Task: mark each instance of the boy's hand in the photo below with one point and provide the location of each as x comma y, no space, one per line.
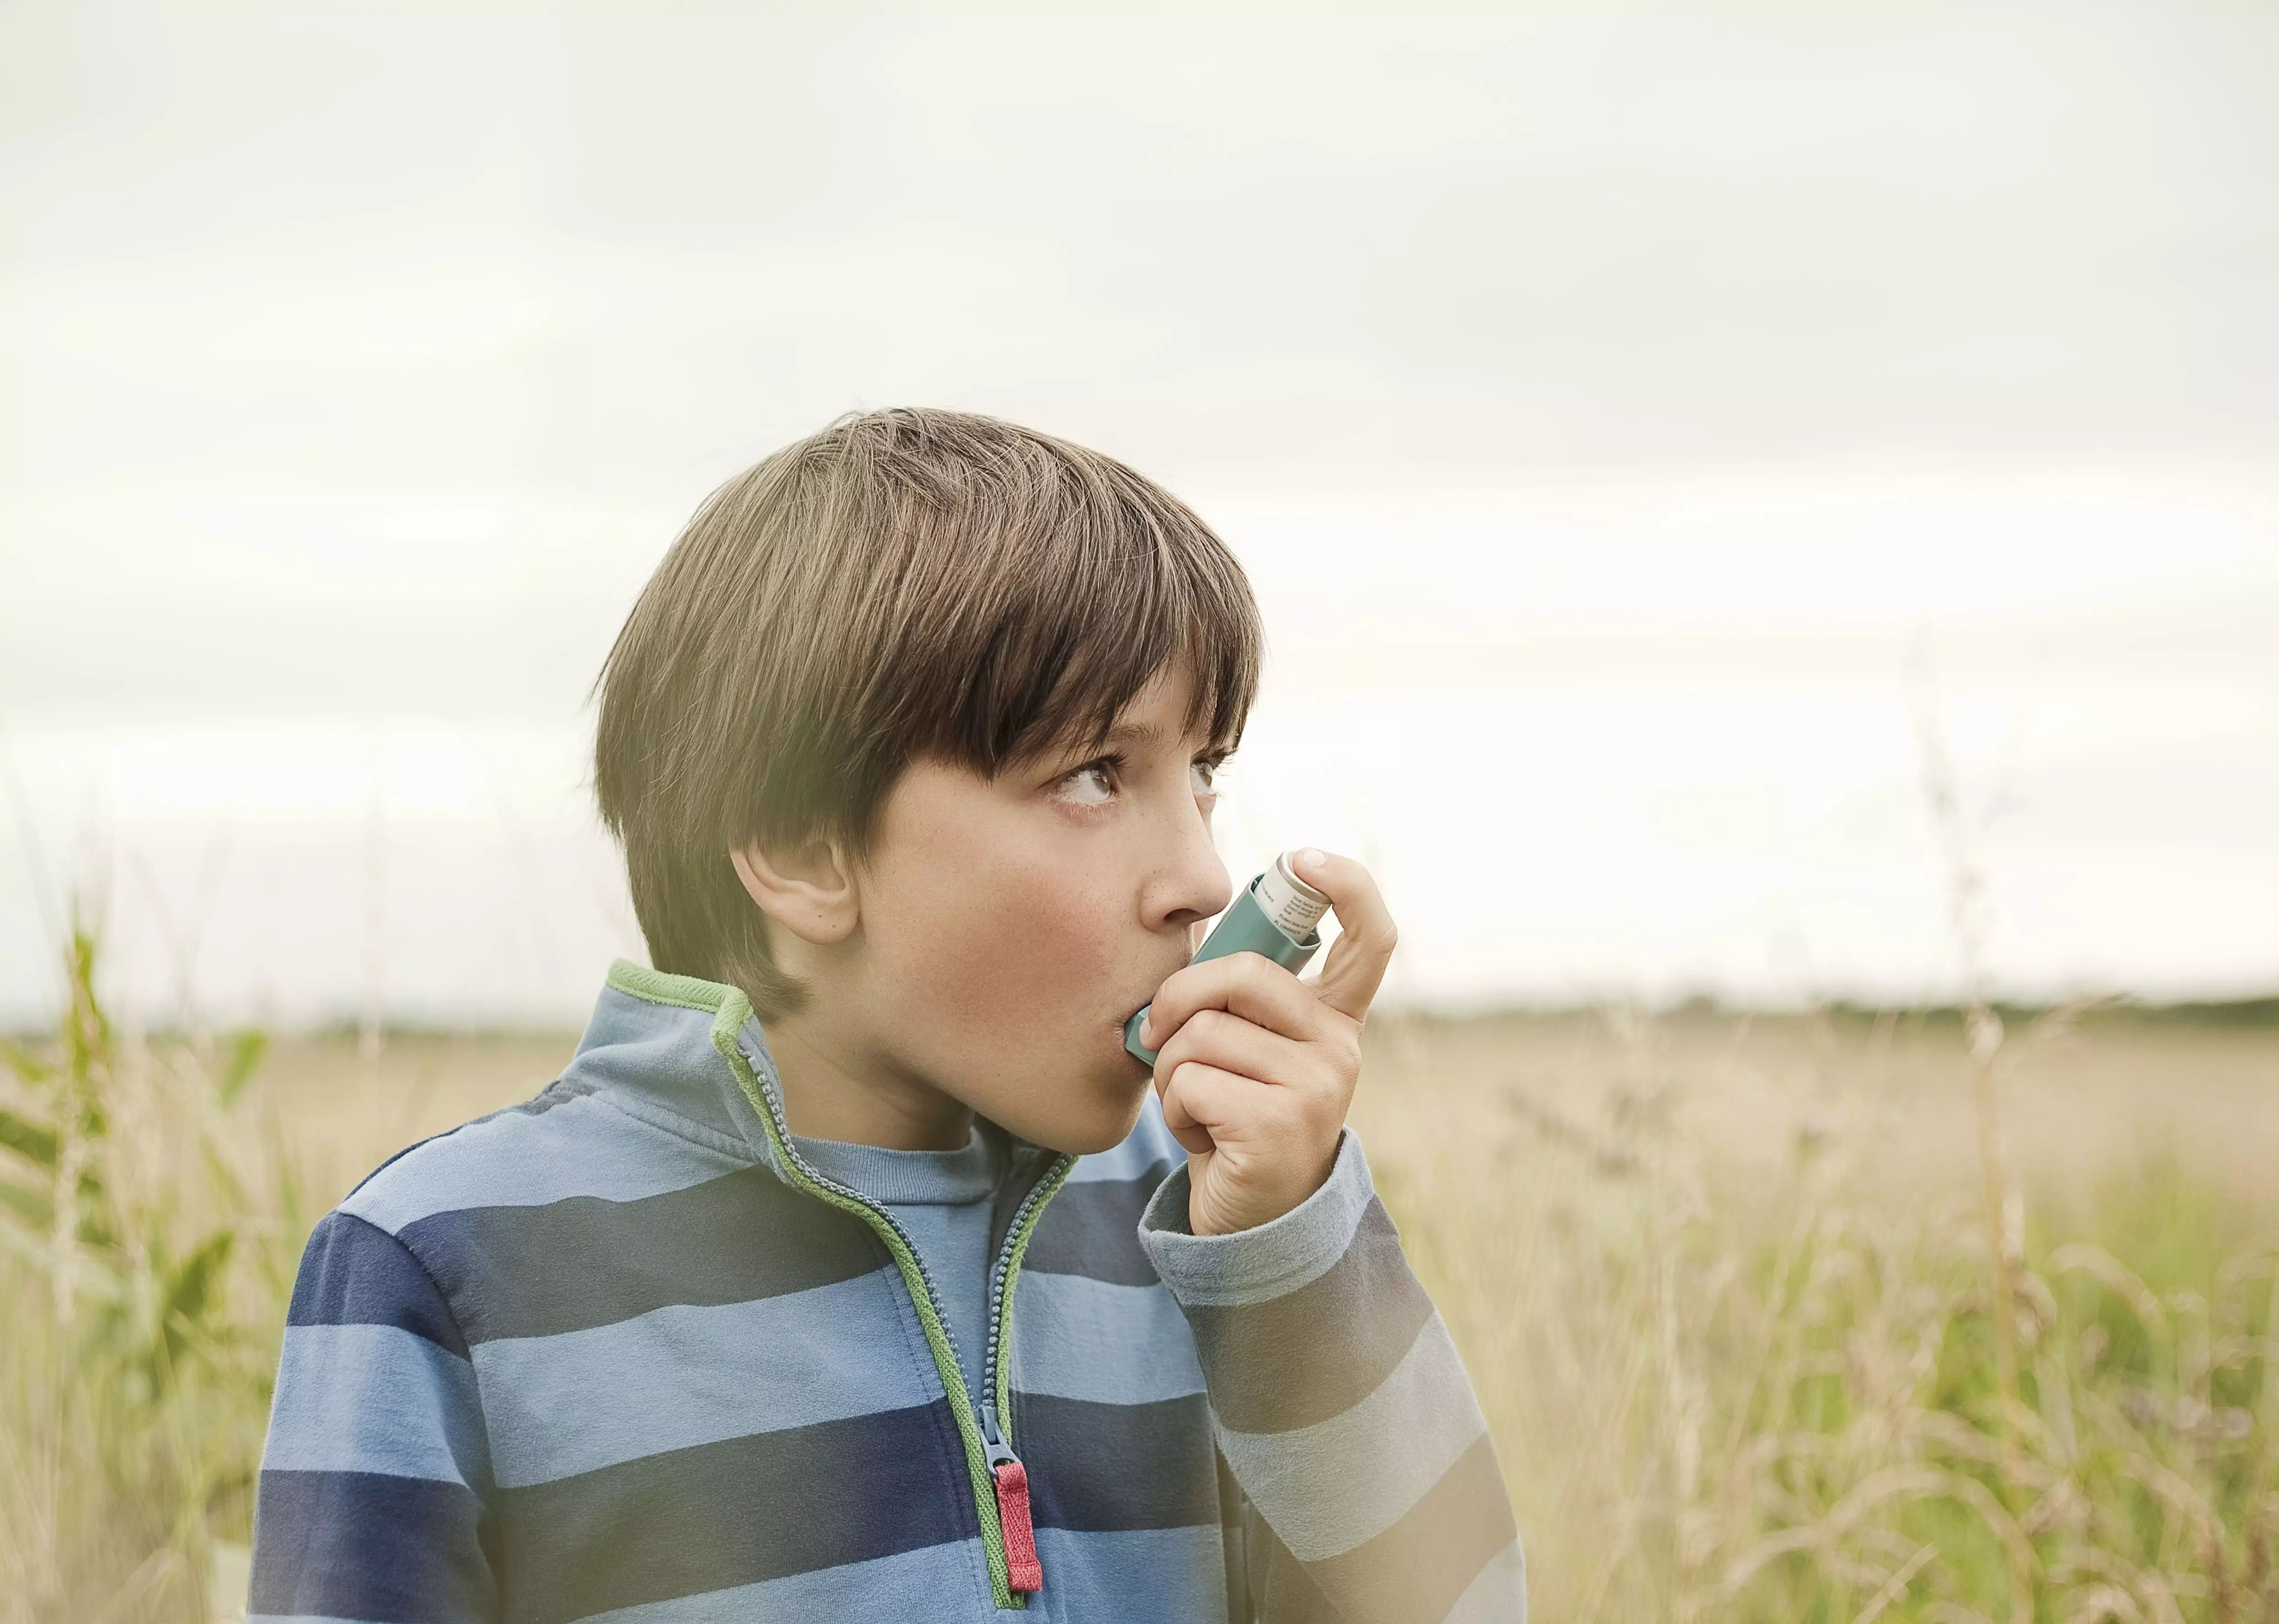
1259,1068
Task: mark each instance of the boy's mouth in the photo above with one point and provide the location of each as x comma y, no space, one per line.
1120,1011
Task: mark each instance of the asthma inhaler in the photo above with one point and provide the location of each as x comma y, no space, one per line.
1274,917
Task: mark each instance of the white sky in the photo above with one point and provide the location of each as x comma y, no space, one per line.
1605,399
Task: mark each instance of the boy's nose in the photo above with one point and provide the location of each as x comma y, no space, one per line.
1187,883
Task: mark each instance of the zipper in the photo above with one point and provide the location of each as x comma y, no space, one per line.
1010,1477
999,1478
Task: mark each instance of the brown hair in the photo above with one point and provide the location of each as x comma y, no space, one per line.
905,584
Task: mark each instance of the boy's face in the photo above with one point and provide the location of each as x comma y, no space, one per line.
1009,924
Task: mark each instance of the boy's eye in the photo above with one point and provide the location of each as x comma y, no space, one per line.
1089,786
1203,777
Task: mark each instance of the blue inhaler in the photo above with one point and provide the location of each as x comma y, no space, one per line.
1275,918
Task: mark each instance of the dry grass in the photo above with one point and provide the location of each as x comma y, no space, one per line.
1725,1289
1723,1283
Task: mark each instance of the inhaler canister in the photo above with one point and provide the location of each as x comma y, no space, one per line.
1275,917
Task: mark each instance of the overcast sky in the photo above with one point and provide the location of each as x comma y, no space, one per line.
1605,399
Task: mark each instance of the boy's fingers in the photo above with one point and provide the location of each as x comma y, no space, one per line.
1196,1097
1192,1138
1356,967
1219,1038
1245,984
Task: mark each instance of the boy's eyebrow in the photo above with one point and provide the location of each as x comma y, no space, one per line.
1140,733
1126,735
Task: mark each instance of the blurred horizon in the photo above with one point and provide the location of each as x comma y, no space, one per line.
1642,425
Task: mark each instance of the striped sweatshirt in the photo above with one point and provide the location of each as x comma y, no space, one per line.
622,1354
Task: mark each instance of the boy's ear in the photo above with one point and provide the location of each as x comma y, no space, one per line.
808,888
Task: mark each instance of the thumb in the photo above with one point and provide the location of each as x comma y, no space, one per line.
1356,967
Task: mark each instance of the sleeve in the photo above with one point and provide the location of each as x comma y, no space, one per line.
1343,1412
375,1484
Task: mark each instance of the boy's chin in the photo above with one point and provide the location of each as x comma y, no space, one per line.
1086,1133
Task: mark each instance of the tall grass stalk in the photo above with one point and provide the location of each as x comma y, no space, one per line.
135,1373
1982,1030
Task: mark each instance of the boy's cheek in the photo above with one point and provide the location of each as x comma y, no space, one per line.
1035,934
1012,961
1002,970
1002,976
1031,1047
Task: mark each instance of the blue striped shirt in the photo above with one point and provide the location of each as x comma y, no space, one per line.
616,1354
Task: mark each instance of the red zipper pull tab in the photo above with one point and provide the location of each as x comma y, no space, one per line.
1023,1571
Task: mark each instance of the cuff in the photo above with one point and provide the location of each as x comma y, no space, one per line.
1271,1261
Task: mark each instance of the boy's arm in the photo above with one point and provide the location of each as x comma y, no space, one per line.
374,1483
1341,1407
1338,1399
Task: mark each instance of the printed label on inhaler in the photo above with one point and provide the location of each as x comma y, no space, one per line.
1290,904
1274,916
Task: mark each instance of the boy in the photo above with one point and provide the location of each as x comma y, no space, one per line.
852,1269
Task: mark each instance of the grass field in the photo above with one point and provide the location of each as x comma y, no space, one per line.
1724,1284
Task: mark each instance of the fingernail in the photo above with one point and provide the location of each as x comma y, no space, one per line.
1313,857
